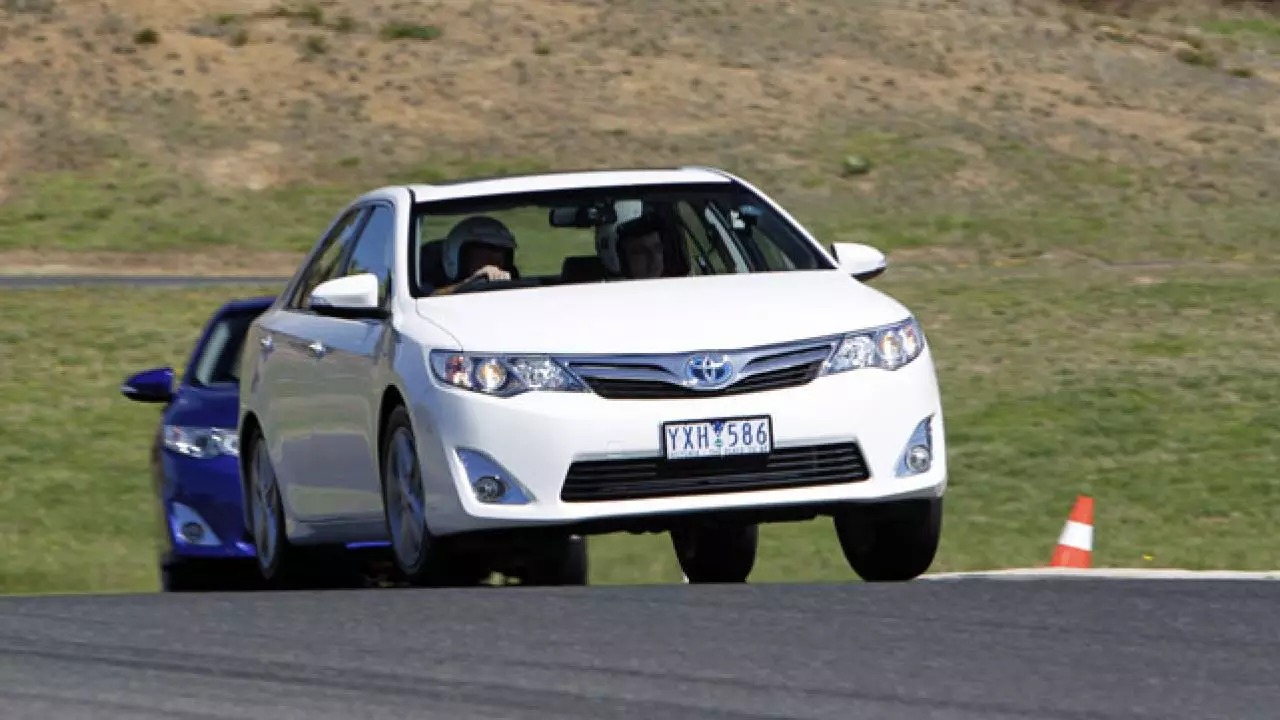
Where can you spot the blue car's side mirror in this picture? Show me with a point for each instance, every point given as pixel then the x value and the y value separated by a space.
pixel 149 386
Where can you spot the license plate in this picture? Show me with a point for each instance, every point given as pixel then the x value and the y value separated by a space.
pixel 694 439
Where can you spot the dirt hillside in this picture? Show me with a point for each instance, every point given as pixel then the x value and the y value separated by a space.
pixel 805 94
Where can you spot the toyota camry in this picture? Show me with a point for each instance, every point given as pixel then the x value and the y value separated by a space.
pixel 482 374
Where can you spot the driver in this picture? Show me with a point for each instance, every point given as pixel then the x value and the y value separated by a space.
pixel 478 246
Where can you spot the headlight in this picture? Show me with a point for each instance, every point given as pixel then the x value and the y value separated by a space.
pixel 500 375
pixel 887 348
pixel 201 442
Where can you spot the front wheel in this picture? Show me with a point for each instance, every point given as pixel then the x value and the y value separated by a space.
pixel 420 557
pixel 890 542
pixel 716 553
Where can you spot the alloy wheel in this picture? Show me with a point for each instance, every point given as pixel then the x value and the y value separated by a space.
pixel 266 529
pixel 405 504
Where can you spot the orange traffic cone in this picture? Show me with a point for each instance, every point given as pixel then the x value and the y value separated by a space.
pixel 1075 545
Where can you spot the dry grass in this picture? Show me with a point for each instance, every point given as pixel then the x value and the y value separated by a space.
pixel 988 108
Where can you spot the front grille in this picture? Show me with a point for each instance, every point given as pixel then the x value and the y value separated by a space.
pixel 644 478
pixel 614 389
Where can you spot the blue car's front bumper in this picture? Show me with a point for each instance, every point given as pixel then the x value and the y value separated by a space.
pixel 204 495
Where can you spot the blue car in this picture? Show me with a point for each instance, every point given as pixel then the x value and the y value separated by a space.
pixel 195 457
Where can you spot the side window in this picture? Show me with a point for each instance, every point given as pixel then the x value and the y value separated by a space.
pixel 375 250
pixel 325 264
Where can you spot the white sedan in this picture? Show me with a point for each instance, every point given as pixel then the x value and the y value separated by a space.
pixel 735 372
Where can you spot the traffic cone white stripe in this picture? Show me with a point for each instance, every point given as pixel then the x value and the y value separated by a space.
pixel 1077 535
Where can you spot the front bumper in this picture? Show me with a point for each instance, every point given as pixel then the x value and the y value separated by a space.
pixel 534 439
pixel 203 495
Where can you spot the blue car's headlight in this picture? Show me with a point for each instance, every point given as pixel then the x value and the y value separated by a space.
pixel 201 442
pixel 886 348
pixel 502 375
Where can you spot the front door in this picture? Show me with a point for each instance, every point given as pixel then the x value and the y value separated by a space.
pixel 347 388
pixel 296 416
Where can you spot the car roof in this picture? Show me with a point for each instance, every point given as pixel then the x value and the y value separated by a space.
pixel 565 180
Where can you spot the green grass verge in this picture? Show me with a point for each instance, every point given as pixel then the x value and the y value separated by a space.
pixel 1264 28
pixel 129 205
pixel 999 199
pixel 1158 397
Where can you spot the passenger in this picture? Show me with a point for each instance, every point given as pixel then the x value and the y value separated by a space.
pixel 634 249
pixel 478 246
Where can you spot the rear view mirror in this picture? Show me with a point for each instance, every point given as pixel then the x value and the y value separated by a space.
pixel 861 261
pixel 582 216
pixel 149 386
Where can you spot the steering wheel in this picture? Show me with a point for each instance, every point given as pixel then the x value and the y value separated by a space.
pixel 483 281
pixel 471 283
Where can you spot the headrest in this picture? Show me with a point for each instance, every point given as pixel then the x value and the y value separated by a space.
pixel 643 225
pixel 431 264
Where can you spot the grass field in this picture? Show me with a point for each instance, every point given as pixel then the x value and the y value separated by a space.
pixel 1079 202
pixel 1155 391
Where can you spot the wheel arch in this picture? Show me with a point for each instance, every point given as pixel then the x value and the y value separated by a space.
pixel 391 399
pixel 249 427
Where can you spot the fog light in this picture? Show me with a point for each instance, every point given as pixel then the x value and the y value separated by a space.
pixel 919 458
pixel 491 483
pixel 490 489
pixel 917 454
pixel 192 532
pixel 186 526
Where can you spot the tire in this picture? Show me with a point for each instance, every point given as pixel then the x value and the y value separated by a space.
pixel 266 514
pixel 560 562
pixel 419 557
pixel 716 553
pixel 891 542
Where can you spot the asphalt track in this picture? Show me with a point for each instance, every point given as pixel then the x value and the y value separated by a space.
pixel 1055 649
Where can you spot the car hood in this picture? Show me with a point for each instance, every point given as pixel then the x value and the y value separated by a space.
pixel 205 407
pixel 665 315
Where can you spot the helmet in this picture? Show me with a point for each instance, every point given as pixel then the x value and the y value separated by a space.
pixel 476 229
pixel 607 235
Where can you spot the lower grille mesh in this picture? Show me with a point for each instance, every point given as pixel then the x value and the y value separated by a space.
pixel 644 478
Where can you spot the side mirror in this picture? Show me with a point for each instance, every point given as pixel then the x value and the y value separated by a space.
pixel 354 296
pixel 861 261
pixel 149 386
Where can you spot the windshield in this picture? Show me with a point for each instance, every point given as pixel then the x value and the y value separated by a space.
pixel 219 360
pixel 612 233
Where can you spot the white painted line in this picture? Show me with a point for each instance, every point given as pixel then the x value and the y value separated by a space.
pixel 1109 573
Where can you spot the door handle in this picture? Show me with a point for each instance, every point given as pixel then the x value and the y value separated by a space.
pixel 265 342
pixel 317 349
